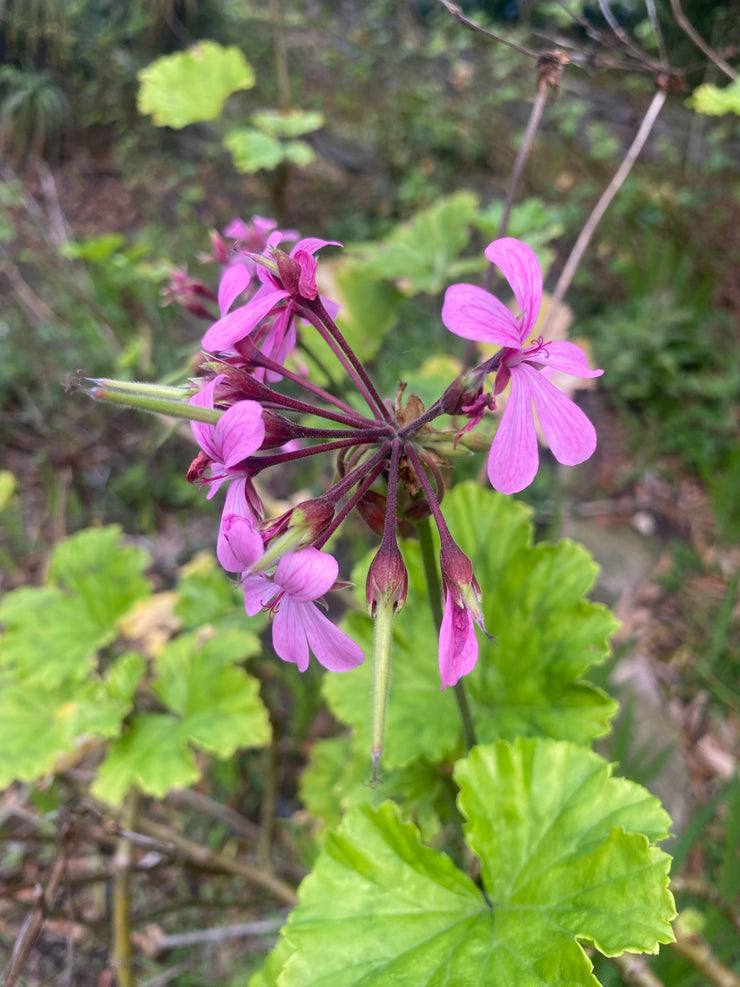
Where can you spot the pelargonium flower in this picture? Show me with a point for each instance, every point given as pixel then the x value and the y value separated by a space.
pixel 289 595
pixel 266 301
pixel 238 434
pixel 473 313
pixel 458 645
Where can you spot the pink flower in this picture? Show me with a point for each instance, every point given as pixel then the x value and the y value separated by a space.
pixel 238 434
pixel 458 646
pixel 289 595
pixel 266 301
pixel 473 313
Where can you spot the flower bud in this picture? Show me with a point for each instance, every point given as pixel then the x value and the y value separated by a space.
pixel 297 528
pixel 459 580
pixel 278 430
pixel 371 509
pixel 387 579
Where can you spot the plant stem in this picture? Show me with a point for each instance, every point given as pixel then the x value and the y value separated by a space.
pixel 434 592
pixel 584 238
pixel 121 932
pixel 533 123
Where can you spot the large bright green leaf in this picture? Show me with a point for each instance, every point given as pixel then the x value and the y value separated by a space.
pixel 528 681
pixel 192 86
pixel 562 862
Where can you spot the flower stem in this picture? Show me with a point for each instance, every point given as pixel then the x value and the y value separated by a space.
pixel 431 575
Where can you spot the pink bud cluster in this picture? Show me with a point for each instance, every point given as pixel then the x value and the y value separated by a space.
pixel 387 466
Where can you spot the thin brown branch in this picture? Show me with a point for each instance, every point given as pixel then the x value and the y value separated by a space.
pixel 205 857
pixel 533 123
pixel 589 228
pixel 32 925
pixel 698 952
pixel 619 32
pixel 634 970
pixel 688 29
pixel 461 18
pixel 158 942
pixel 699 888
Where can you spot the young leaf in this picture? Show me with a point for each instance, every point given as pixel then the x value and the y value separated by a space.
pixel 192 86
pixel 561 863
pixel 527 681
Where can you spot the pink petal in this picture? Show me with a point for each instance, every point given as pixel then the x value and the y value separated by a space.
pixel 239 545
pixel 289 635
pixel 239 323
pixel 521 269
pixel 333 648
pixel 473 313
pixel 458 646
pixel 307 574
pixel 569 433
pixel 565 357
pixel 235 279
pixel 203 433
pixel 514 458
pixel 239 432
pixel 259 590
pixel 311 244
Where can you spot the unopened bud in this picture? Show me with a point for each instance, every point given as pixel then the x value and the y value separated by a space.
pixel 278 430
pixel 371 509
pixel 460 581
pixel 462 393
pixel 387 580
pixel 296 529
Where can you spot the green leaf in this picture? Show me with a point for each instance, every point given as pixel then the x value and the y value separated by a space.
pixel 287 123
pixel 151 755
pixel 527 681
pixel 217 707
pixel 369 308
pixel 93 583
pixel 106 575
pixel 337 779
pixel 421 255
pixel 39 722
pixel 568 846
pixel 713 101
pixel 193 85
pixel 298 153
pixel 251 150
pixel 7 488
pixel 548 824
pixel 206 596
pixel 219 704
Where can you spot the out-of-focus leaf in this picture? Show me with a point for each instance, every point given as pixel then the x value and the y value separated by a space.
pixel 252 149
pixel 192 86
pixel 715 101
pixel 287 123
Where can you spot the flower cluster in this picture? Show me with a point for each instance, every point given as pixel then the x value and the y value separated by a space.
pixel 390 460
